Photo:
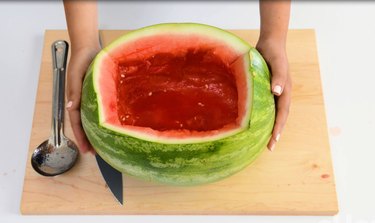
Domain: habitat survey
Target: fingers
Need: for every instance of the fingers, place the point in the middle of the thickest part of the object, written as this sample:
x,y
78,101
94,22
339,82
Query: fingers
x,y
76,73
74,85
282,112
75,121
281,85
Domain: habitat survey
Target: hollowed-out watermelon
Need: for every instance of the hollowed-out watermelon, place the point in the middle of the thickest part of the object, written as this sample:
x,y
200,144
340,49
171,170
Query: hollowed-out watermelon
x,y
181,104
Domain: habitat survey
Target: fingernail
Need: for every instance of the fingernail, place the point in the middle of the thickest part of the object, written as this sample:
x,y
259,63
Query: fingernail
x,y
272,147
277,89
69,104
277,137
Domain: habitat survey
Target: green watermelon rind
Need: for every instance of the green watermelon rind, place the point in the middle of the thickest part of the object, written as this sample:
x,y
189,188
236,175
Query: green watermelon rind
x,y
190,163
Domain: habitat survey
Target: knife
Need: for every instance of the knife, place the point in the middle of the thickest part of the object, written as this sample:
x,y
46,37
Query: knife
x,y
112,177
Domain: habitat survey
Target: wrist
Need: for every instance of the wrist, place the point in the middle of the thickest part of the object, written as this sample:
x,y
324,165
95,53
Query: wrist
x,y
89,43
272,40
272,49
82,56
90,50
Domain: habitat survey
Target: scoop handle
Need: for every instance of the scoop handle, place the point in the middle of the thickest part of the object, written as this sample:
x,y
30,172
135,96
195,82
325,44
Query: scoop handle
x,y
59,59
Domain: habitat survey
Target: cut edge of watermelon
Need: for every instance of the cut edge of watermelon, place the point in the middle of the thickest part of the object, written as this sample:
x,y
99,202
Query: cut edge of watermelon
x,y
176,136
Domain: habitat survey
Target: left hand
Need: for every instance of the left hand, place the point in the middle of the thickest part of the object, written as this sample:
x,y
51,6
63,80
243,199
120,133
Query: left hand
x,y
274,53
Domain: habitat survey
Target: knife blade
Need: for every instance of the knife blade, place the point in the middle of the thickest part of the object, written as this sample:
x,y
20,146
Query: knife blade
x,y
112,177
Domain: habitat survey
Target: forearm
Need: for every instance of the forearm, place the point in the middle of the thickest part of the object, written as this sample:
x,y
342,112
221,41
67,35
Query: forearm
x,y
274,20
82,22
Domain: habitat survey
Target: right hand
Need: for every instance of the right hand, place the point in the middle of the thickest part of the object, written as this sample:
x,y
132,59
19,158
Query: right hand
x,y
78,65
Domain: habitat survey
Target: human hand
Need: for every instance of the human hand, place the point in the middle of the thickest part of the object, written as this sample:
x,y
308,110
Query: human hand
x,y
78,64
275,55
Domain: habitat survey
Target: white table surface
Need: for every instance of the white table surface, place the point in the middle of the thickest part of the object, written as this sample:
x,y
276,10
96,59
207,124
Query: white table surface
x,y
346,45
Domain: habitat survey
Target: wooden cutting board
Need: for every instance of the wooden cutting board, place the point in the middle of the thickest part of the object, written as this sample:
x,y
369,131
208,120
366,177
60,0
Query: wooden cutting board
x,y
296,179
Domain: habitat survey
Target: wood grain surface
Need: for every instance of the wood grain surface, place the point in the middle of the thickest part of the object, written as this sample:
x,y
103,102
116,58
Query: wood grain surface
x,y
296,179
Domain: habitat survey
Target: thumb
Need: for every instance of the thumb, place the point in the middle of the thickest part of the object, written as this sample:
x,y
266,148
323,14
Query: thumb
x,y
279,71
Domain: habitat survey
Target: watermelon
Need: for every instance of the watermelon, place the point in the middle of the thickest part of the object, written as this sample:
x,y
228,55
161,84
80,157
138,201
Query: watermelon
x,y
179,104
